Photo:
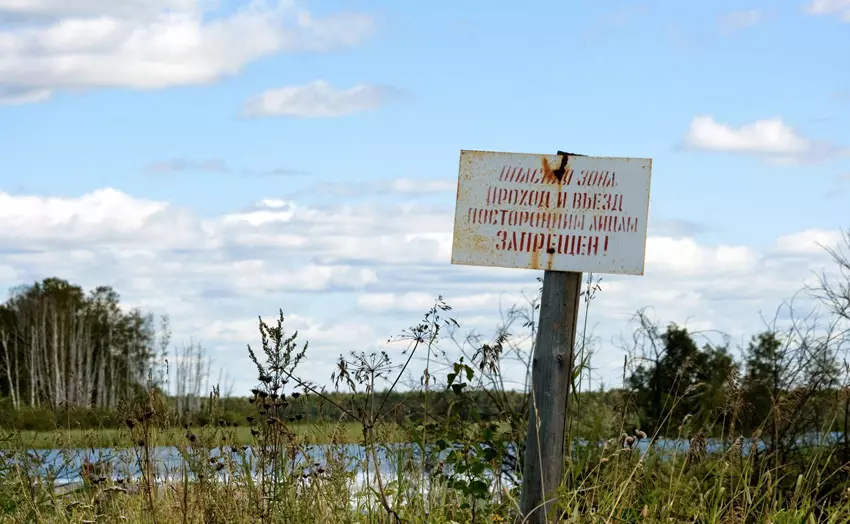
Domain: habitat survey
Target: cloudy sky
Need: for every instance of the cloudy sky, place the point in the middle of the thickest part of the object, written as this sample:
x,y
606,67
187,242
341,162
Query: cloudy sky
x,y
217,160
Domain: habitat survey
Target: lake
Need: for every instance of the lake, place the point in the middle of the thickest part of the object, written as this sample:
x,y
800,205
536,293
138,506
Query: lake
x,y
64,466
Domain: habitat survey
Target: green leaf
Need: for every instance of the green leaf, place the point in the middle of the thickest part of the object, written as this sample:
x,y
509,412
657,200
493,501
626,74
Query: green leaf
x,y
458,388
451,377
477,468
479,488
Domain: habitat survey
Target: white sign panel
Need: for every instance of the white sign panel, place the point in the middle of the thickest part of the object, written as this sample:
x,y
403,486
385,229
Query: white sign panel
x,y
574,213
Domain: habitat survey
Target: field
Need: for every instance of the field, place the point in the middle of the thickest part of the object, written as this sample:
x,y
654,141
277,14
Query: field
x,y
343,433
319,471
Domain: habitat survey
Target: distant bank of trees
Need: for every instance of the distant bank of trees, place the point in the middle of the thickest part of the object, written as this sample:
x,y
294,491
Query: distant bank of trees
x,y
63,350
62,347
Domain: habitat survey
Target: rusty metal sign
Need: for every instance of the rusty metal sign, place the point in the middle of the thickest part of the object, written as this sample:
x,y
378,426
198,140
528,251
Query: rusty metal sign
x,y
552,212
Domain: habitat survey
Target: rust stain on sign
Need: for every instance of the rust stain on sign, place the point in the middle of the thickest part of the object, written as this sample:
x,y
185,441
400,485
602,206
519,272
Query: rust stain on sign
x,y
555,176
586,214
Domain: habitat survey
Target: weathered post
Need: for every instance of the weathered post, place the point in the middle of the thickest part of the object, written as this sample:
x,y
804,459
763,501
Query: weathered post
x,y
587,215
551,376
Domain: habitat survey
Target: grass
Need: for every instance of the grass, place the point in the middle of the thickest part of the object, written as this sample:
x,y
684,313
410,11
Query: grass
x,y
284,480
342,433
611,483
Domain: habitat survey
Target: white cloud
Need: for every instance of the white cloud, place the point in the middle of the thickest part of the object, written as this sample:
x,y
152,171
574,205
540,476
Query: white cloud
x,y
269,211
350,276
770,138
310,329
63,8
417,301
738,20
763,136
808,242
104,217
12,96
148,45
685,256
317,99
841,8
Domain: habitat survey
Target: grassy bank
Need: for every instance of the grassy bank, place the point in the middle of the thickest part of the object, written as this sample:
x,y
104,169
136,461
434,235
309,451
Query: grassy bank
x,y
611,483
470,472
318,433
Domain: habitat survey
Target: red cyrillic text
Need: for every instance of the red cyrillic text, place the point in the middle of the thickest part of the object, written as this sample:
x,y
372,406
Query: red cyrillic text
x,y
552,243
532,219
614,224
497,196
585,177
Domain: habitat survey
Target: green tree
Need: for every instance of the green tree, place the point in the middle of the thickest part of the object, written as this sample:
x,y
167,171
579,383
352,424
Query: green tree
x,y
59,347
675,378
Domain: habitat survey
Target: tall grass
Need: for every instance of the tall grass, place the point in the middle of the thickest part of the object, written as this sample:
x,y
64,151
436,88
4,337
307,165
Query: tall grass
x,y
453,468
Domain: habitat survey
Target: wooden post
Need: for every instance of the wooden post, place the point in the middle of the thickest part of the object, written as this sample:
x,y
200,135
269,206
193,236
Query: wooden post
x,y
551,377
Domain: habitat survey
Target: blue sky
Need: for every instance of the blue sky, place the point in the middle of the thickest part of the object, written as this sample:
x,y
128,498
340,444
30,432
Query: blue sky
x,y
192,119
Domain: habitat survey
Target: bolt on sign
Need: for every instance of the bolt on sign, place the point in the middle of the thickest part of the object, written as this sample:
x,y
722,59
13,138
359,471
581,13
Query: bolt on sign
x,y
553,212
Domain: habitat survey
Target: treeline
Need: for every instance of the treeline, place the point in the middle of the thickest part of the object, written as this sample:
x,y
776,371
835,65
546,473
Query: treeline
x,y
63,348
78,360
237,411
785,384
